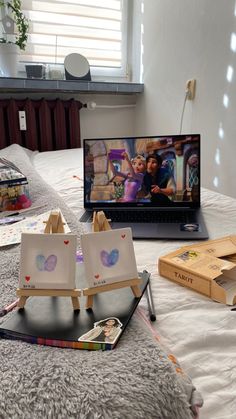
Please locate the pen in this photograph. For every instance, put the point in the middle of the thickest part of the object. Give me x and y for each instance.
(151, 307)
(10, 219)
(8, 308)
(10, 214)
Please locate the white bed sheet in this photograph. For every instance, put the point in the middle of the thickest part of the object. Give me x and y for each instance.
(199, 331)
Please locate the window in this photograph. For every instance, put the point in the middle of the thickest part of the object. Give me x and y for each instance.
(96, 29)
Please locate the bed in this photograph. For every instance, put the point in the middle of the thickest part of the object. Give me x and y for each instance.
(199, 332)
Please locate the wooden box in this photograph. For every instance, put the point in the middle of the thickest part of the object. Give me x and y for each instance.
(195, 267)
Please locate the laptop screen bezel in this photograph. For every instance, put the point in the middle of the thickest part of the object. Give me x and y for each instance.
(142, 205)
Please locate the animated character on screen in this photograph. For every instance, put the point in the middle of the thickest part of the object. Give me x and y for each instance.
(89, 176)
(133, 179)
(158, 181)
(193, 176)
(106, 330)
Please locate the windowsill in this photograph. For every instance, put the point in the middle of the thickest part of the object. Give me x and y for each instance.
(19, 85)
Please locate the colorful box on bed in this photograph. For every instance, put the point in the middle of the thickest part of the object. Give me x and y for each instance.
(14, 188)
(195, 267)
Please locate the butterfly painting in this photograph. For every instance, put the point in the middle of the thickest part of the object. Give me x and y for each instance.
(48, 264)
(108, 256)
(109, 259)
(48, 261)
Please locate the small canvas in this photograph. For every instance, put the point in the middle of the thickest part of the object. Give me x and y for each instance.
(108, 257)
(48, 261)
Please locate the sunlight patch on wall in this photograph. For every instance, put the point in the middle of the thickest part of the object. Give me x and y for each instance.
(233, 42)
(216, 182)
(217, 156)
(221, 132)
(230, 72)
(226, 101)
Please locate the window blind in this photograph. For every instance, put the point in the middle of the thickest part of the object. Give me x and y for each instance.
(93, 28)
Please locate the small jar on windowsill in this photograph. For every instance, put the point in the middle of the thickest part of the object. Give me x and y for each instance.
(56, 72)
(35, 71)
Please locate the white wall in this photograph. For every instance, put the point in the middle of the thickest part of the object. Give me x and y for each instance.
(113, 116)
(191, 39)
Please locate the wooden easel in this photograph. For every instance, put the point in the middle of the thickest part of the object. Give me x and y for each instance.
(54, 225)
(100, 223)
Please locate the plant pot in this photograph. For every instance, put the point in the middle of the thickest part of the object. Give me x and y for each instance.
(9, 58)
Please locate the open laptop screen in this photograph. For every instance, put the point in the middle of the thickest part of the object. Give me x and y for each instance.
(142, 171)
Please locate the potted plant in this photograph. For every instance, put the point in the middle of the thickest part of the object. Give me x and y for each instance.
(14, 36)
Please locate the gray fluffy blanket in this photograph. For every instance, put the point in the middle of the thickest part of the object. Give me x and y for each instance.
(135, 380)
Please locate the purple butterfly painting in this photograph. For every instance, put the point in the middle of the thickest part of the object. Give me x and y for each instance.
(48, 261)
(109, 259)
(44, 264)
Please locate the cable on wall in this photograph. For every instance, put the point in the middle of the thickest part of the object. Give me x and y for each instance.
(182, 115)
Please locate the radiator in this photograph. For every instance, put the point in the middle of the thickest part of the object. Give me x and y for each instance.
(50, 124)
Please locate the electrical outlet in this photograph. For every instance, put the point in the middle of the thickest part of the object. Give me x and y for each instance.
(191, 88)
(22, 121)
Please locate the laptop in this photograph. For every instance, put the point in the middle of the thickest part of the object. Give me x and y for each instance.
(151, 184)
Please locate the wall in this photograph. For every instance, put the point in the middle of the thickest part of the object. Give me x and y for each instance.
(113, 117)
(191, 39)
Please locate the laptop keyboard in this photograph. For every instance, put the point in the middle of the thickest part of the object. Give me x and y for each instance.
(146, 216)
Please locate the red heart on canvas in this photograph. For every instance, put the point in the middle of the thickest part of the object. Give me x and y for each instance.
(96, 276)
(123, 236)
(27, 278)
(66, 241)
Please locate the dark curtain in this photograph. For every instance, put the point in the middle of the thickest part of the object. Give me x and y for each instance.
(51, 124)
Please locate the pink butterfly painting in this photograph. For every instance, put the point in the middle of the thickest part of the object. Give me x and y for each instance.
(44, 264)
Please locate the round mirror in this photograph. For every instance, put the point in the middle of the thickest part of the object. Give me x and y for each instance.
(76, 67)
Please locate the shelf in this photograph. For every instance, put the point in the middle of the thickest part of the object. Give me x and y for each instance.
(17, 85)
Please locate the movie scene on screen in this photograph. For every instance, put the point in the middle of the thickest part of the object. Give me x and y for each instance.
(159, 170)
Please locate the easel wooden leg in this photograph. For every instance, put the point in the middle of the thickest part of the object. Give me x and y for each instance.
(136, 290)
(75, 303)
(22, 301)
(89, 303)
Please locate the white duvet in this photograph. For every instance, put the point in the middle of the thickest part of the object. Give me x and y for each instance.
(200, 332)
